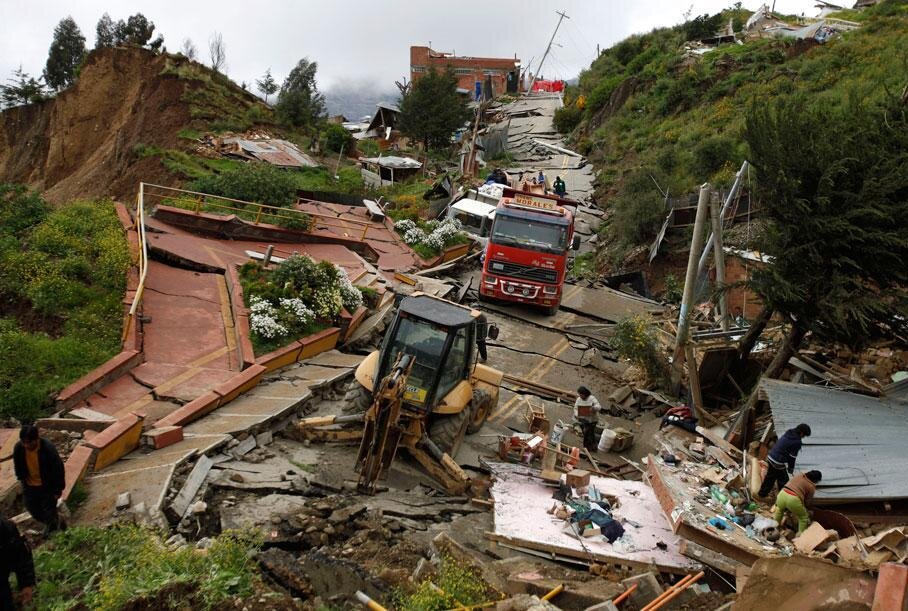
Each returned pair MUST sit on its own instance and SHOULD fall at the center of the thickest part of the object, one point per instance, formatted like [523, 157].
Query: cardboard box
[578, 478]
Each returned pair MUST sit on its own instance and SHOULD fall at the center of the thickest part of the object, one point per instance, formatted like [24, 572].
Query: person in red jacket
[40, 470]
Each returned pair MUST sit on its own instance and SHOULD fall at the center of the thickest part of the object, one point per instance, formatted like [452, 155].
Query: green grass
[62, 279]
[107, 568]
[187, 165]
[215, 102]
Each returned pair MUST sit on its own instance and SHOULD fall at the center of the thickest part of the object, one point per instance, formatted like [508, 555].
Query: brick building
[504, 72]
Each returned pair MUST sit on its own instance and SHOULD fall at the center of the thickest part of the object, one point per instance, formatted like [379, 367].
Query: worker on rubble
[586, 413]
[482, 332]
[40, 470]
[782, 458]
[795, 497]
[540, 180]
[15, 557]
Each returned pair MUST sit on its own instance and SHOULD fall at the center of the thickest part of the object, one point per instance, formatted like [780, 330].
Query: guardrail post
[259, 215]
[198, 205]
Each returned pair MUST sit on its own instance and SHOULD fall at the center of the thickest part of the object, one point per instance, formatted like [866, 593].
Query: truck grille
[515, 270]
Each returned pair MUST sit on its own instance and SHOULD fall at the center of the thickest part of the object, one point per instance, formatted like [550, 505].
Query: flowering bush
[432, 237]
[296, 298]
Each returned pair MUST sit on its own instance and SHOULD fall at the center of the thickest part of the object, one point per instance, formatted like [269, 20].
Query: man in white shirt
[586, 412]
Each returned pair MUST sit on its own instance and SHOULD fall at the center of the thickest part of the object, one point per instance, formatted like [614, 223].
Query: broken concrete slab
[194, 481]
[256, 512]
[244, 447]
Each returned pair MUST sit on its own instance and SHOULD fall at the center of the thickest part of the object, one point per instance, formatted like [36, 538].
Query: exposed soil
[31, 320]
[80, 143]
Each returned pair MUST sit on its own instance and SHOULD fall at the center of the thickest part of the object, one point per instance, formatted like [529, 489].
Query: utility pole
[714, 209]
[690, 281]
[561, 16]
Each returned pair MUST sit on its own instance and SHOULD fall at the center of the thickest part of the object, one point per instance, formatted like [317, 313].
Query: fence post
[258, 215]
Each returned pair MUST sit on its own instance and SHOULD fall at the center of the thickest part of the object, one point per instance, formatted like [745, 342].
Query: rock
[198, 507]
[123, 501]
[204, 543]
[276, 519]
[263, 439]
[346, 514]
[236, 477]
[329, 530]
[175, 541]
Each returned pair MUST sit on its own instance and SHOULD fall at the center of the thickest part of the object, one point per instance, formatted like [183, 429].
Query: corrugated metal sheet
[858, 442]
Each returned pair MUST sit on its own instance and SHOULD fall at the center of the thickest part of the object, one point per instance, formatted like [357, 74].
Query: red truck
[526, 257]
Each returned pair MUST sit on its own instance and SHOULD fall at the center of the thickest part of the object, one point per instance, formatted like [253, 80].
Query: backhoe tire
[357, 398]
[480, 408]
[447, 431]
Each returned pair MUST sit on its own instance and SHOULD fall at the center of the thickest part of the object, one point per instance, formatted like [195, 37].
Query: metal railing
[257, 213]
[142, 262]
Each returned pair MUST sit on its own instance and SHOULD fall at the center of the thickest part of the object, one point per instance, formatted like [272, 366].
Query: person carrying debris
[586, 410]
[795, 497]
[15, 557]
[40, 470]
[560, 187]
[782, 457]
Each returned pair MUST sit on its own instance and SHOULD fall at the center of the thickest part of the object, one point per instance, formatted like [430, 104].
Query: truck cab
[526, 257]
[475, 217]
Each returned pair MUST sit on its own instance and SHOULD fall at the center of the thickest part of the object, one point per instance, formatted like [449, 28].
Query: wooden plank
[721, 443]
[710, 558]
[181, 502]
[724, 459]
[693, 380]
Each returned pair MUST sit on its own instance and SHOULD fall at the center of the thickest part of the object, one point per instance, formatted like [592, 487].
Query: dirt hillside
[81, 143]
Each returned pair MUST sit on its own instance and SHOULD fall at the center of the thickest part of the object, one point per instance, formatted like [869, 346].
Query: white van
[476, 218]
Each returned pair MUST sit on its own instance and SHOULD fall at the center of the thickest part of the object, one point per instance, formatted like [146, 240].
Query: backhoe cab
[445, 388]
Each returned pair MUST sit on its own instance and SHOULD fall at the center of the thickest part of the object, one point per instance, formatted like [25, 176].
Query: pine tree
[299, 103]
[66, 53]
[267, 85]
[21, 89]
[833, 188]
[104, 32]
[432, 110]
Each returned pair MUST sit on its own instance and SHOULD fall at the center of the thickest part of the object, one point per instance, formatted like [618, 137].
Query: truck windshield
[527, 233]
[426, 343]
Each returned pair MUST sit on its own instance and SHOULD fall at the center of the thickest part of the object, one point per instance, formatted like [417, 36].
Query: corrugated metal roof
[858, 442]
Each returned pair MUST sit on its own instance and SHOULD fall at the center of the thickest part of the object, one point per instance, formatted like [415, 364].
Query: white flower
[350, 295]
[298, 310]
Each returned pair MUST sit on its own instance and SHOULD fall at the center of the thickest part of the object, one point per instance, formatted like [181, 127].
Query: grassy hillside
[653, 111]
[62, 277]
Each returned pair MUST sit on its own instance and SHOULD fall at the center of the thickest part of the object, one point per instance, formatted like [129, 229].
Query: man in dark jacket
[782, 458]
[15, 557]
[39, 468]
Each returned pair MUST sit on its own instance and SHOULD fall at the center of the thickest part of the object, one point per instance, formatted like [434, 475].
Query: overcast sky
[360, 41]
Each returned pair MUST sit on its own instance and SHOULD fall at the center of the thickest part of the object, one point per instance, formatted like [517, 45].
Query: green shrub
[567, 118]
[602, 92]
[635, 340]
[711, 154]
[337, 138]
[638, 212]
[458, 586]
[252, 182]
[20, 209]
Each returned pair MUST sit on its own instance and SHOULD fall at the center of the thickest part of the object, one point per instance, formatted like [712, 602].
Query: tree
[189, 49]
[299, 103]
[337, 138]
[267, 85]
[105, 32]
[703, 26]
[217, 51]
[66, 53]
[21, 89]
[833, 187]
[432, 110]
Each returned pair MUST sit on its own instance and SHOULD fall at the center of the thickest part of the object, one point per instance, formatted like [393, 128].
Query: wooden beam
[191, 486]
[709, 557]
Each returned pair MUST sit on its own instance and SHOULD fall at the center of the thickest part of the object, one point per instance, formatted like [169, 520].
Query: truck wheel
[550, 311]
[480, 408]
[447, 430]
[357, 398]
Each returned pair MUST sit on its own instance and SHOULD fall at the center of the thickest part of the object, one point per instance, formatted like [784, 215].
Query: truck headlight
[550, 290]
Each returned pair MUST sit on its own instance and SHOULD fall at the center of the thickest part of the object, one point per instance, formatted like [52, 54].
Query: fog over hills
[356, 99]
